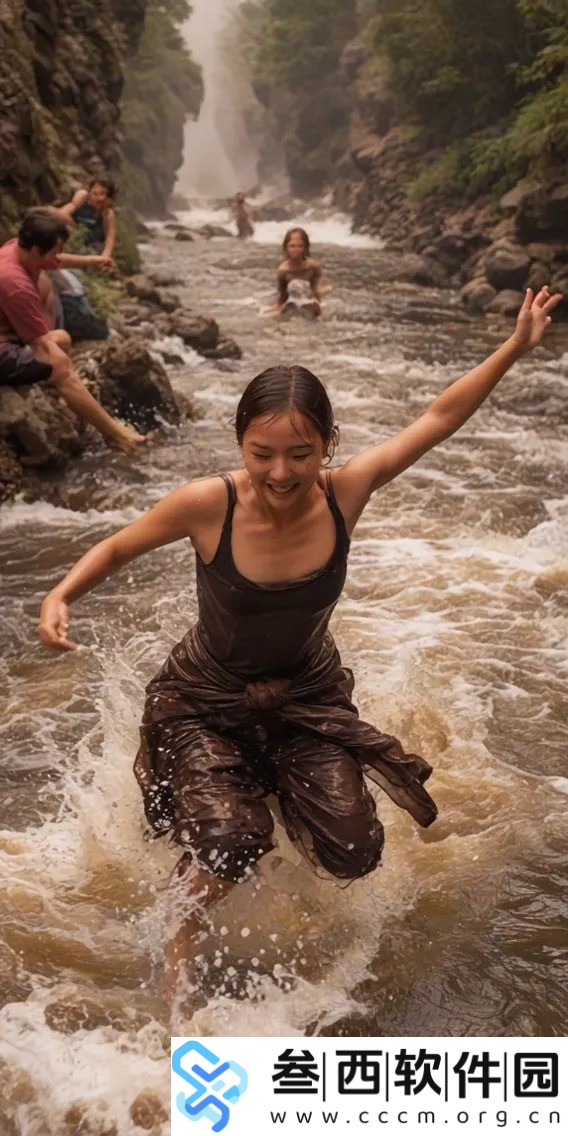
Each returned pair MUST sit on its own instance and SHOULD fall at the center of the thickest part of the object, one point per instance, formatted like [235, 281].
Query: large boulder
[477, 294]
[37, 426]
[226, 349]
[197, 331]
[11, 474]
[211, 231]
[543, 212]
[507, 266]
[506, 303]
[143, 288]
[135, 386]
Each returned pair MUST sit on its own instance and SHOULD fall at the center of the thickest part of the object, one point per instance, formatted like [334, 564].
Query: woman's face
[283, 456]
[99, 197]
[295, 248]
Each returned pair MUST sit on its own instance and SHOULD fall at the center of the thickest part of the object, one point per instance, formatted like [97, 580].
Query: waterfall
[219, 157]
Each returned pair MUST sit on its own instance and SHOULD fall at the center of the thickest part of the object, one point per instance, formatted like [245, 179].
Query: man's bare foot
[129, 441]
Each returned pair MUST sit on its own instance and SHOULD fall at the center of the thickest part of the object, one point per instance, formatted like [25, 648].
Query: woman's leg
[323, 795]
[222, 822]
[199, 890]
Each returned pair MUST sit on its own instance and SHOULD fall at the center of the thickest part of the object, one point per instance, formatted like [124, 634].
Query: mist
[219, 157]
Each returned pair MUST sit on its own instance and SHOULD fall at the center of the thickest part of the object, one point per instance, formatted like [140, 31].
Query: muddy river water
[454, 620]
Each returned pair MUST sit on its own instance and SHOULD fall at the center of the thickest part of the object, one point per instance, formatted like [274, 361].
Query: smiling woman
[255, 699]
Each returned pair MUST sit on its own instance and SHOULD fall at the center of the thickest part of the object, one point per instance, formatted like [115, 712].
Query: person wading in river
[299, 267]
[243, 219]
[31, 351]
[254, 699]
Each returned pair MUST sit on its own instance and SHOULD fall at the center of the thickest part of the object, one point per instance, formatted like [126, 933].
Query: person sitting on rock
[92, 209]
[299, 265]
[31, 351]
[243, 219]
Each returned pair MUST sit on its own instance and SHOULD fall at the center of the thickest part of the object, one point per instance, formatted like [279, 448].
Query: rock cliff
[493, 247]
[60, 85]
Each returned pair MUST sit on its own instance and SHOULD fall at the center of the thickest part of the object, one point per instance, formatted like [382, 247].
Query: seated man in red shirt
[31, 351]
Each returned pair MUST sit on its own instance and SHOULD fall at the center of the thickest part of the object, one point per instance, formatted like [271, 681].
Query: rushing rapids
[453, 621]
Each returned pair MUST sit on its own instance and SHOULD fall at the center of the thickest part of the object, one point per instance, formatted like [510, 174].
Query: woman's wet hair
[292, 233]
[41, 228]
[107, 183]
[283, 390]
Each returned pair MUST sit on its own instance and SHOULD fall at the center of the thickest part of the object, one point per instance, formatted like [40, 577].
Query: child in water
[299, 276]
[92, 208]
[255, 699]
[245, 227]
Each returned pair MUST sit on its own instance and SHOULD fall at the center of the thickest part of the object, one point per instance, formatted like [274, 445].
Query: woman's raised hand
[54, 624]
[534, 317]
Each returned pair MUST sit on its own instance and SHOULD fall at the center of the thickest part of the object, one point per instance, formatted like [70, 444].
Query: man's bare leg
[74, 392]
[204, 889]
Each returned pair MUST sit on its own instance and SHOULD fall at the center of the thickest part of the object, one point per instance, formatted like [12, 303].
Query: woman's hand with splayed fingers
[534, 318]
[54, 624]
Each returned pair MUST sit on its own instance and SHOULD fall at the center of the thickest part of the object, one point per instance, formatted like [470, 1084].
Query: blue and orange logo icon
[215, 1090]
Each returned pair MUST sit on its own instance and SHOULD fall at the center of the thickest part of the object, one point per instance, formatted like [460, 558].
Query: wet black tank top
[267, 630]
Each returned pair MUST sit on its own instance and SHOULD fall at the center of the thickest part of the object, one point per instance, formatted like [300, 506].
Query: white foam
[40, 513]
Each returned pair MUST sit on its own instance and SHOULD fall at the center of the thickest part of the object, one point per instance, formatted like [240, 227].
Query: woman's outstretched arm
[366, 472]
[182, 513]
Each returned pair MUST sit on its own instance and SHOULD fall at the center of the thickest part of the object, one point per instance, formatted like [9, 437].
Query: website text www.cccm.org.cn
[484, 1119]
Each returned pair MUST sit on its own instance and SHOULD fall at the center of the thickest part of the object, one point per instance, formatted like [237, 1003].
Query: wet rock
[430, 274]
[511, 201]
[184, 235]
[538, 250]
[143, 231]
[506, 303]
[133, 311]
[11, 474]
[559, 283]
[147, 1111]
[143, 288]
[477, 294]
[168, 301]
[538, 276]
[226, 349]
[211, 231]
[507, 267]
[82, 1120]
[542, 211]
[37, 426]
[135, 386]
[197, 331]
[164, 279]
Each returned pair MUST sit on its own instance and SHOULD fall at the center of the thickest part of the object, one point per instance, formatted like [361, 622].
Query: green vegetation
[479, 87]
[484, 83]
[163, 86]
[293, 51]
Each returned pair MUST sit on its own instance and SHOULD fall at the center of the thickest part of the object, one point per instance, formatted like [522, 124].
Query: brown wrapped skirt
[213, 747]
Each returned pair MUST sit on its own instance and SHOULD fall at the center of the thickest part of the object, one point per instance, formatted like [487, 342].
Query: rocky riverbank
[128, 374]
[492, 248]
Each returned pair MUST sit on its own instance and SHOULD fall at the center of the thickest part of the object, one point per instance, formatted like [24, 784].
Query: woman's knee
[227, 852]
[353, 851]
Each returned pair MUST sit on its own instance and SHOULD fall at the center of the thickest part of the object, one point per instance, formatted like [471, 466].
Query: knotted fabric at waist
[192, 687]
[268, 694]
